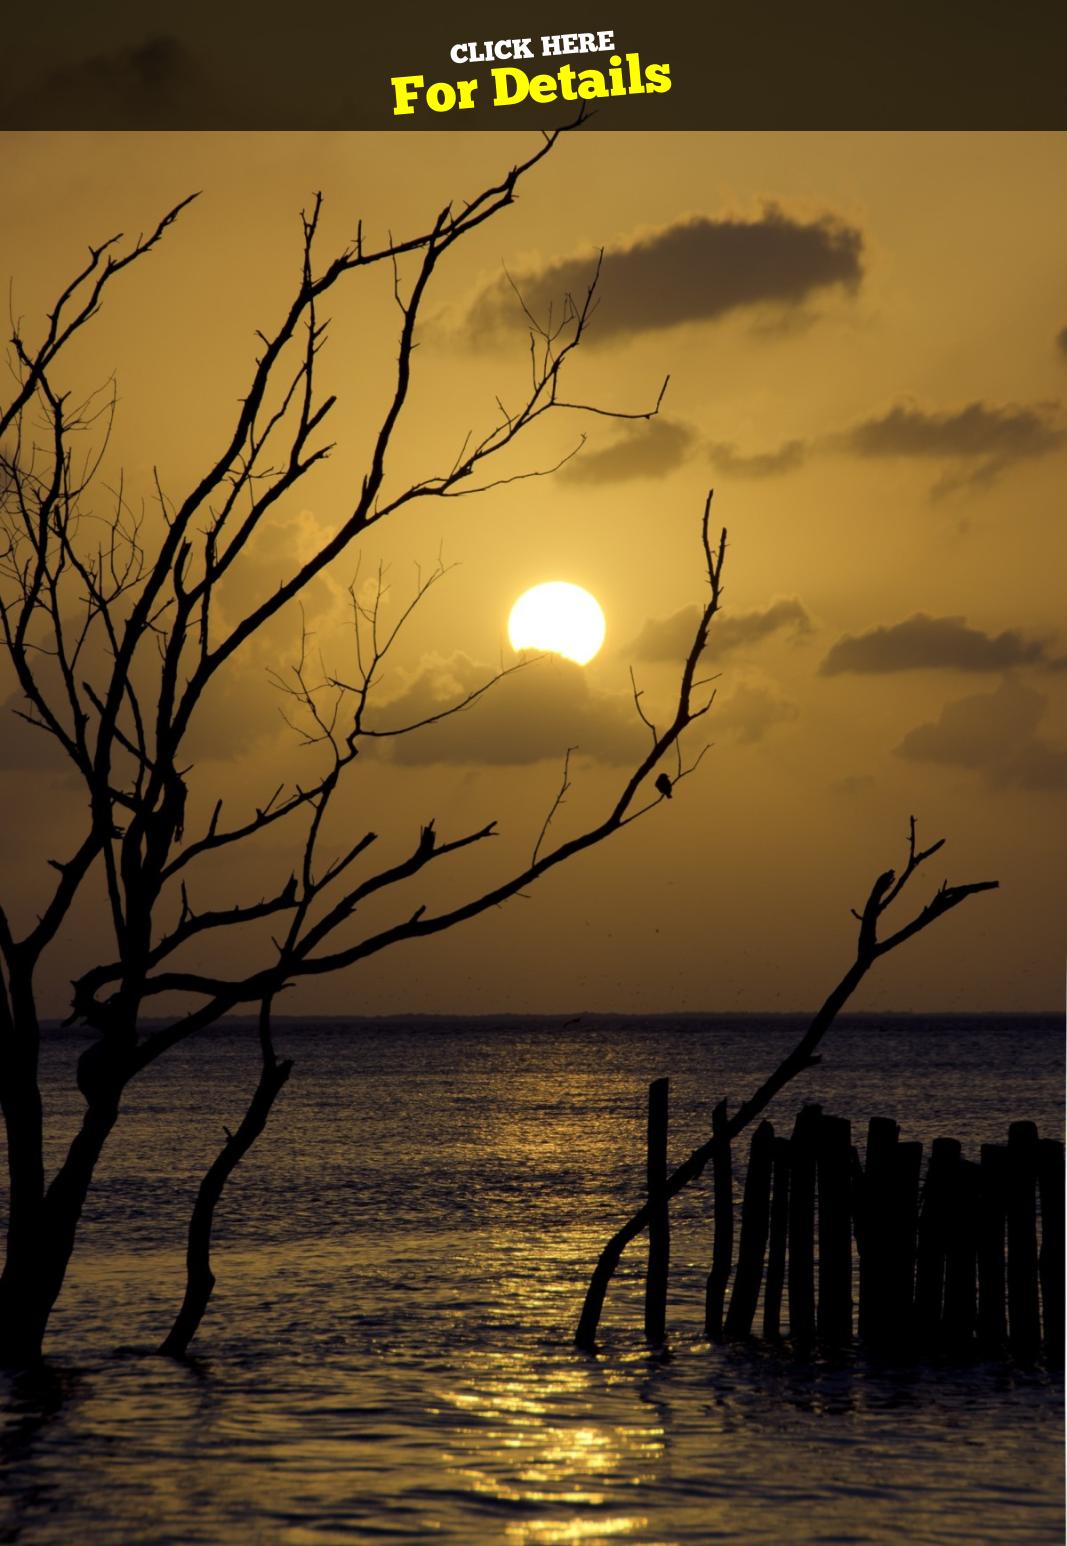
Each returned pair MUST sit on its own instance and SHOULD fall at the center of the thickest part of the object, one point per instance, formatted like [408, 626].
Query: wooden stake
[1050, 1183]
[723, 1243]
[834, 1318]
[802, 1227]
[874, 1229]
[755, 1219]
[933, 1240]
[992, 1225]
[659, 1224]
[899, 1318]
[961, 1259]
[1024, 1324]
[772, 1293]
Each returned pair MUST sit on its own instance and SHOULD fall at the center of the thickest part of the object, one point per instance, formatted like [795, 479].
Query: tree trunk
[37, 1258]
[21, 1323]
[199, 1278]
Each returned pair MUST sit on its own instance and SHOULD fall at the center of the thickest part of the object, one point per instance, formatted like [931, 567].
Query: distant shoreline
[673, 1020]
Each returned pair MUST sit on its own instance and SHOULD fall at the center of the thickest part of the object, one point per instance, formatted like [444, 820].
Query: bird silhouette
[663, 784]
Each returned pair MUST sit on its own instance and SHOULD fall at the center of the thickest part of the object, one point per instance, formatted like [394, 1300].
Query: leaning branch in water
[803, 1056]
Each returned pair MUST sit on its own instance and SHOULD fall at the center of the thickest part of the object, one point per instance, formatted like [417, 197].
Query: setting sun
[560, 617]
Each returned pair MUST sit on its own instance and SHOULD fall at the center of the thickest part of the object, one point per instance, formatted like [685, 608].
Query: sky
[866, 339]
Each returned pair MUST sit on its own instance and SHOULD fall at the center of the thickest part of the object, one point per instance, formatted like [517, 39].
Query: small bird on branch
[663, 784]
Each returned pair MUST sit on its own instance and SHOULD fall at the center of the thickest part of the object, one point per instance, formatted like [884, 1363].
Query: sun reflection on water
[558, 1532]
[531, 1456]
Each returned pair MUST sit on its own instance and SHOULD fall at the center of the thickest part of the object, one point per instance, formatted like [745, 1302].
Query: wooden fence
[964, 1260]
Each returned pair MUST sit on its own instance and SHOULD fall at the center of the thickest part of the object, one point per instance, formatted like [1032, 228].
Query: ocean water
[401, 1262]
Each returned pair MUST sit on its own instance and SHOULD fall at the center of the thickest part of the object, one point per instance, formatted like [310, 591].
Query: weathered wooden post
[1051, 1264]
[723, 1241]
[1024, 1324]
[802, 1226]
[772, 1292]
[834, 1166]
[874, 1235]
[961, 1258]
[659, 1224]
[933, 1240]
[755, 1219]
[899, 1324]
[992, 1223]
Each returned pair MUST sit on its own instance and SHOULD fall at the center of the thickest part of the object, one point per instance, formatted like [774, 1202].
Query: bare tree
[869, 948]
[114, 636]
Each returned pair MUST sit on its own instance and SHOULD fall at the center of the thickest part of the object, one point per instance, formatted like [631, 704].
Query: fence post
[961, 1258]
[834, 1163]
[992, 1305]
[723, 1242]
[755, 1217]
[1050, 1185]
[874, 1229]
[1024, 1326]
[802, 1226]
[772, 1293]
[899, 1322]
[659, 1224]
[933, 1240]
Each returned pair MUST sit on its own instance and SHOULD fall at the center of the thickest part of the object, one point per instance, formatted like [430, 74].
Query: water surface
[401, 1262]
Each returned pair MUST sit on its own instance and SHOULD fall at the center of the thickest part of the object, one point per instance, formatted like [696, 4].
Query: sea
[401, 1261]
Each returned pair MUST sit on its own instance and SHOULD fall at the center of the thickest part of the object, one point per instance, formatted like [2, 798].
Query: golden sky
[865, 335]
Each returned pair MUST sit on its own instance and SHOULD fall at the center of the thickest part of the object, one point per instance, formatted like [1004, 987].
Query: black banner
[921, 64]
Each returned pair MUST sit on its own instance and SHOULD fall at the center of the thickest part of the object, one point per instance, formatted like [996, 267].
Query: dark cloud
[762, 464]
[643, 450]
[751, 711]
[987, 437]
[853, 786]
[994, 734]
[238, 713]
[695, 270]
[153, 83]
[537, 713]
[1061, 341]
[649, 450]
[669, 638]
[922, 643]
[27, 748]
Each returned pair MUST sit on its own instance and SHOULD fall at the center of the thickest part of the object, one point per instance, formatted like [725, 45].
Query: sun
[560, 617]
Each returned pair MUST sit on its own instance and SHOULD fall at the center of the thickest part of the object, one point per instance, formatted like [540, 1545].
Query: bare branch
[561, 795]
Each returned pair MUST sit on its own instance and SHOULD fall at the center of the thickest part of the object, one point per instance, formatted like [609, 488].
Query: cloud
[669, 638]
[921, 643]
[641, 451]
[853, 786]
[763, 464]
[650, 450]
[537, 713]
[237, 713]
[154, 81]
[988, 437]
[994, 734]
[698, 269]
[752, 710]
[27, 748]
[1061, 341]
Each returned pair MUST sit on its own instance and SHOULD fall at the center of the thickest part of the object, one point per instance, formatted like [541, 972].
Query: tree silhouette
[114, 636]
